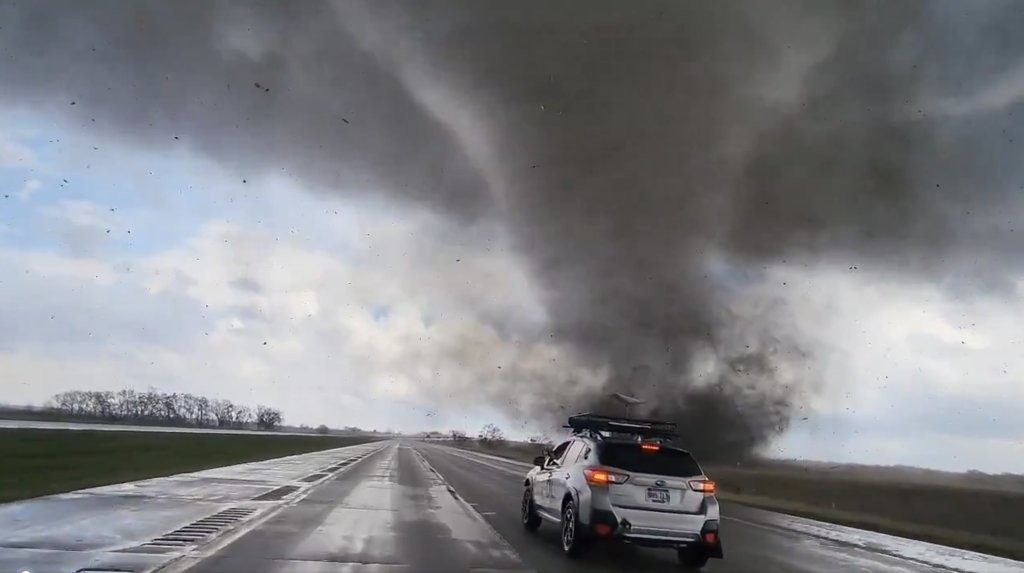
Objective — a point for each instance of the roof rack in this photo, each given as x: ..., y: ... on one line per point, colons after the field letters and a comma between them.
x: 594, y: 424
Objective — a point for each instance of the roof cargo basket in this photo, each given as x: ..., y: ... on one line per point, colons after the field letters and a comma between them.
x: 593, y: 423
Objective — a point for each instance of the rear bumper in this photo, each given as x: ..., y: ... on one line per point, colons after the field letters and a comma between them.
x: 606, y: 524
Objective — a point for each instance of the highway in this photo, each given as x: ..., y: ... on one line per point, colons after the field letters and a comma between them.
x: 389, y: 507
x: 424, y: 508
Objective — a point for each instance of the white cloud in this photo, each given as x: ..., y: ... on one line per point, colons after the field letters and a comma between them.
x: 28, y: 189
x: 406, y: 317
x: 1003, y: 92
x: 411, y: 315
x: 53, y: 266
x: 911, y: 374
x: 33, y: 377
x: 13, y: 153
x: 83, y: 226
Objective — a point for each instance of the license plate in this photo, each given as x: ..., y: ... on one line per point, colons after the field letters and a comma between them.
x: 657, y: 495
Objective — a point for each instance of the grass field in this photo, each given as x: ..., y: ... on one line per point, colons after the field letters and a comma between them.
x: 41, y: 462
x: 984, y: 518
x: 979, y: 519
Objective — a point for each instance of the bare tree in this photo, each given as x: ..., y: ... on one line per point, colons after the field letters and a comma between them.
x: 153, y: 406
x: 72, y: 403
x: 186, y: 407
x: 243, y: 416
x: 267, y: 418
x: 149, y: 405
x: 203, y: 411
x: 224, y: 413
x: 491, y: 434
x: 126, y: 405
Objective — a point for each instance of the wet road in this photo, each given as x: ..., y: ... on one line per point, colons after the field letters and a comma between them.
x: 391, y: 513
x: 423, y: 508
x: 137, y: 526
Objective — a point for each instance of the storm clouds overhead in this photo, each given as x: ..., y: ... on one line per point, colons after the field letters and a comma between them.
x: 652, y: 167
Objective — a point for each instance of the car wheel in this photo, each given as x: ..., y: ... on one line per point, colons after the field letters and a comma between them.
x: 531, y: 519
x: 572, y: 536
x: 691, y: 559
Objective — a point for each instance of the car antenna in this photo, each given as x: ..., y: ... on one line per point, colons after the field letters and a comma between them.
x: 626, y: 400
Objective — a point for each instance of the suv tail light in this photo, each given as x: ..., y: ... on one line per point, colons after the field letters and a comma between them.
x: 704, y: 486
x: 604, y: 477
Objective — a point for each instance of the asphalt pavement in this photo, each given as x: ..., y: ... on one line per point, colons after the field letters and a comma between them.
x: 423, y: 508
x: 391, y: 513
x: 138, y: 526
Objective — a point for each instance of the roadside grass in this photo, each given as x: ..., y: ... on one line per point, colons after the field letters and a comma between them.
x: 986, y: 520
x: 980, y: 519
x: 959, y: 538
x: 41, y: 462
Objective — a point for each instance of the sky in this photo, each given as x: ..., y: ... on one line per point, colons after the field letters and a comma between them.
x: 144, y: 246
x: 127, y: 268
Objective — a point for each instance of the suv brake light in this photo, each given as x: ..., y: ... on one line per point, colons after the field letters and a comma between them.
x: 705, y: 486
x: 604, y: 477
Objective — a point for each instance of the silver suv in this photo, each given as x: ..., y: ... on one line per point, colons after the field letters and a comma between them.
x: 619, y: 479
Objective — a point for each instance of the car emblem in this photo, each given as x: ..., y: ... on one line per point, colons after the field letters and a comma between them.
x: 660, y: 482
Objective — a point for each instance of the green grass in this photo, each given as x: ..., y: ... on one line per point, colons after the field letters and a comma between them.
x: 979, y: 519
x: 970, y: 540
x: 41, y: 462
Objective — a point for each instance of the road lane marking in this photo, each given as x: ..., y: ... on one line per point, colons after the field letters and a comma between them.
x: 470, y: 510
x: 470, y: 457
x: 189, y: 559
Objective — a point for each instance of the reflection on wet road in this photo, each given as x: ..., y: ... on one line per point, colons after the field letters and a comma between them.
x: 390, y: 513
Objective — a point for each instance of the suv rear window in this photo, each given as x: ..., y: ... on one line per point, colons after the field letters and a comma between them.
x: 631, y: 458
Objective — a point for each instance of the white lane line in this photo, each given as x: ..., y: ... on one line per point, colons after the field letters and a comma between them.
x: 776, y: 529
x: 470, y: 510
x: 470, y: 457
x: 490, y: 456
x: 191, y: 558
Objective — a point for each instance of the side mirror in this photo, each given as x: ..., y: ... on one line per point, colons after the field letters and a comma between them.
x: 539, y: 461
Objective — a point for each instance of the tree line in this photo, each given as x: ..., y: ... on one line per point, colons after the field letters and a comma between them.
x: 165, y: 408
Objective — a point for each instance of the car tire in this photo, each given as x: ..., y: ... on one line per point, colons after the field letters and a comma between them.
x: 531, y: 519
x: 572, y: 534
x: 691, y: 559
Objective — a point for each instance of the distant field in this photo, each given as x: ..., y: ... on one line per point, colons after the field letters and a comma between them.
x: 986, y: 518
x: 980, y: 519
x: 41, y: 462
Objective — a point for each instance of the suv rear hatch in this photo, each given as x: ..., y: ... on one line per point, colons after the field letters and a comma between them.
x: 659, y: 478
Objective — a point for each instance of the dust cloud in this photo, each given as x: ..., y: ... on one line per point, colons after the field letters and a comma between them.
x: 647, y: 162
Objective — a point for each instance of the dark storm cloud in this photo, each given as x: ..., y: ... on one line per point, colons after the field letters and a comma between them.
x: 635, y: 146
x: 258, y: 86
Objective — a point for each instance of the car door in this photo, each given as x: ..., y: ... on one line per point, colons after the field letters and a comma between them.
x: 560, y: 476
x: 542, y: 480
